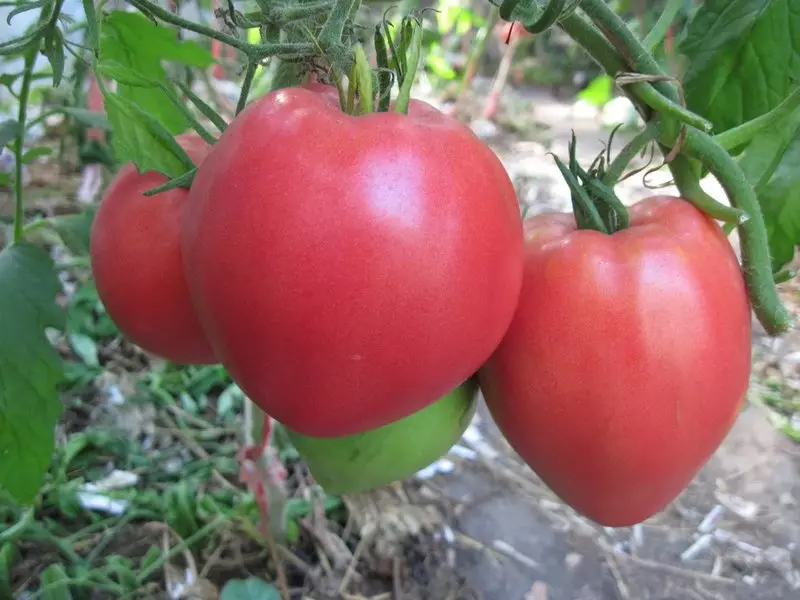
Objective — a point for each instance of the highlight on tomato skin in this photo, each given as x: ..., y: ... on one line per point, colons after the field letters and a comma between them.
x: 150, y: 306
x: 627, y: 360
x: 378, y: 268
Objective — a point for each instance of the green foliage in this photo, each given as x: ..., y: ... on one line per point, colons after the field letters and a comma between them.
x: 55, y: 583
x: 143, y: 111
x: 122, y: 38
x: 30, y: 369
x: 744, y: 56
x: 744, y: 61
x: 772, y: 165
x: 599, y: 92
x: 8, y: 132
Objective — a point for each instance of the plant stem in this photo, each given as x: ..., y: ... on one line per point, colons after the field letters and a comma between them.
x: 742, y: 134
x: 249, y: 73
x: 591, y: 40
x: 635, y: 54
x: 478, y: 49
x: 253, y: 51
x: 666, y: 107
x: 661, y: 27
x: 332, y: 30
x: 286, y: 14
x: 753, y: 233
x: 22, y: 114
x: 689, y: 187
x: 198, y: 535
x: 547, y: 17
x: 620, y: 163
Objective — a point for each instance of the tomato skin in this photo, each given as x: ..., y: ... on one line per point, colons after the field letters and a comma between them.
x: 350, y: 271
x: 136, y: 262
x: 627, y: 360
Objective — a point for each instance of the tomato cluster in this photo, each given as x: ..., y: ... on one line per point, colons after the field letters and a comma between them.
x: 355, y: 273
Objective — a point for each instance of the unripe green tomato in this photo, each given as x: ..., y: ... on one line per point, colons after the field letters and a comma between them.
x: 364, y: 461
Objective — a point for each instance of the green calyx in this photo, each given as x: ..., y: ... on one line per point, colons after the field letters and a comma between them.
x: 594, y: 203
x: 397, y: 57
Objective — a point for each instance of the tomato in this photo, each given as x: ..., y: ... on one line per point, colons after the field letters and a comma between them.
x: 509, y: 30
x: 627, y: 360
x: 350, y: 271
x: 136, y: 261
x: 357, y: 463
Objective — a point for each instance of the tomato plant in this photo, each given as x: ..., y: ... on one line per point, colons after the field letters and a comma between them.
x: 627, y: 360
x: 366, y: 267
x: 352, y: 260
x: 150, y: 306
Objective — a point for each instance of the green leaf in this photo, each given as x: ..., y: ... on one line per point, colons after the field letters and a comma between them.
x: 35, y: 153
x: 90, y: 118
x: 251, y: 588
x: 139, y: 137
x: 85, y: 347
x: 122, y: 74
x: 55, y: 583
x: 75, y: 230
x: 772, y: 165
x: 599, y: 91
x: 8, y: 131
x: 54, y: 51
x: 121, y: 37
x: 743, y: 55
x: 30, y: 369
x: 8, y: 79
x: 25, y: 7
x: 92, y: 29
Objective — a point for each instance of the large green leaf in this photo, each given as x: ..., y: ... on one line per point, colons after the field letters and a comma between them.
x: 132, y: 40
x: 30, y: 369
x: 772, y: 165
x: 139, y: 137
x: 743, y: 55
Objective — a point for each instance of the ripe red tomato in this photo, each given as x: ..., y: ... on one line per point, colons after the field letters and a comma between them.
x: 136, y: 261
x: 627, y: 360
x: 350, y: 271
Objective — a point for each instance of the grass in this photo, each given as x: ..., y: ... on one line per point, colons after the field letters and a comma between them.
x: 162, y: 442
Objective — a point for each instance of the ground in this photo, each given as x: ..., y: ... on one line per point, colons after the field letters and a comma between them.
x: 478, y: 524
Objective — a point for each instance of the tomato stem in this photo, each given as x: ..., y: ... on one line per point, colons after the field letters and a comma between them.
x: 753, y: 233
x: 628, y: 153
x: 253, y: 51
x: 659, y: 30
x: 631, y: 49
x: 660, y: 103
x: 283, y: 15
x: 478, y: 49
x: 546, y: 18
x: 689, y: 187
x: 47, y: 17
x: 331, y: 34
x: 247, y: 82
